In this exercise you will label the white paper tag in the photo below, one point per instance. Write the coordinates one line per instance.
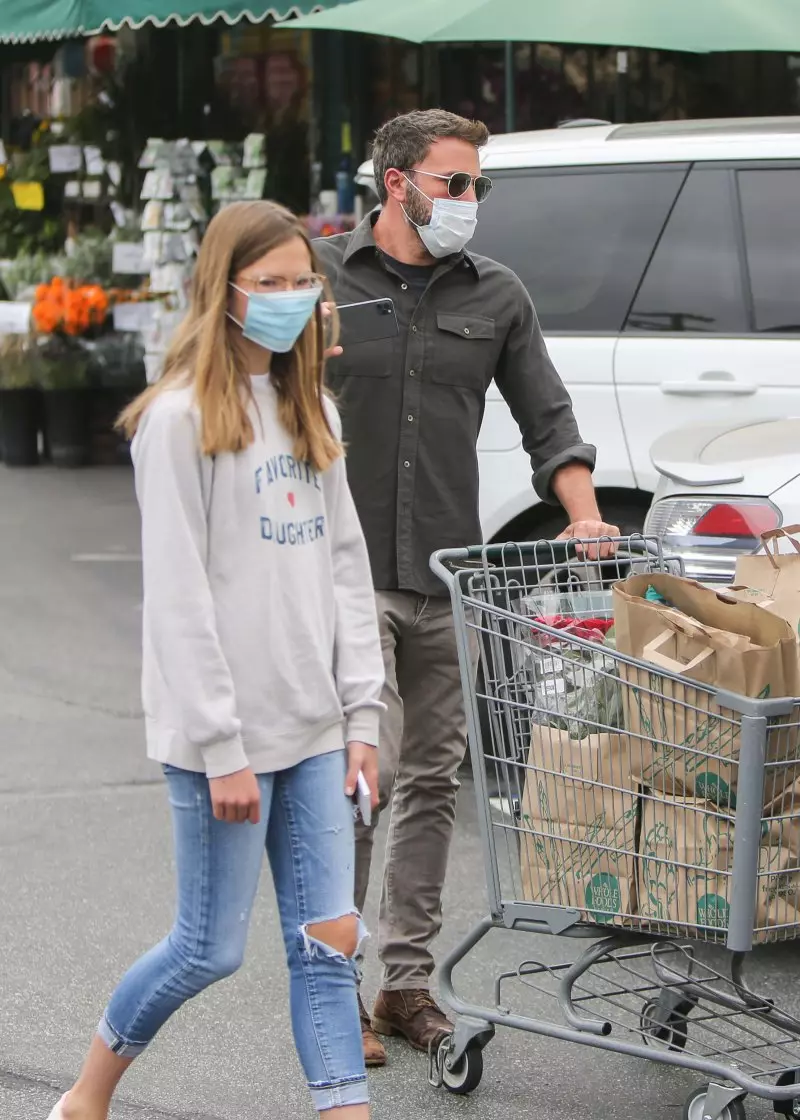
(152, 248)
(15, 318)
(3, 156)
(128, 258)
(134, 317)
(65, 159)
(153, 365)
(95, 164)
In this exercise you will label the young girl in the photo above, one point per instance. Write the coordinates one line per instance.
(262, 668)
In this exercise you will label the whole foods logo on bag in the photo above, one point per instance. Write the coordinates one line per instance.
(715, 789)
(603, 897)
(713, 911)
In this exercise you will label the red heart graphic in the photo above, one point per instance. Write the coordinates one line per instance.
(291, 500)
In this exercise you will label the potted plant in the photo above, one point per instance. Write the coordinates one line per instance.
(20, 402)
(119, 376)
(65, 317)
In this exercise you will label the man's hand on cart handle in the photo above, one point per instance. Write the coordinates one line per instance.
(590, 530)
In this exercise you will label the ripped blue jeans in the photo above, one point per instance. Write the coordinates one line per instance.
(307, 829)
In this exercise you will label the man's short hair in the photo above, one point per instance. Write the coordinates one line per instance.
(405, 141)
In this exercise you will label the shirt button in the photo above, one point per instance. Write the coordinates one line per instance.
(414, 329)
(404, 287)
(412, 373)
(466, 330)
(406, 464)
(410, 419)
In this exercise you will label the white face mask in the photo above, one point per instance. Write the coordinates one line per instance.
(452, 224)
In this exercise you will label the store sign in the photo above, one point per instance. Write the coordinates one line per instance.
(15, 318)
(128, 258)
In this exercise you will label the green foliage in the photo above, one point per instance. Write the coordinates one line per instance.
(26, 232)
(26, 271)
(89, 261)
(65, 363)
(19, 362)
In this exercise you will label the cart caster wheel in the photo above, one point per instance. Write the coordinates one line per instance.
(695, 1108)
(789, 1108)
(463, 1076)
(658, 1024)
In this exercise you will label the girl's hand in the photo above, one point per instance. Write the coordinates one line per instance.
(236, 797)
(362, 759)
(334, 351)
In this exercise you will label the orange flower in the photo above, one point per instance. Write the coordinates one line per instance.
(73, 310)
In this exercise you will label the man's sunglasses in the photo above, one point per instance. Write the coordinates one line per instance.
(459, 183)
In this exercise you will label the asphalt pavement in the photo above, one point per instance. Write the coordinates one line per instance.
(86, 878)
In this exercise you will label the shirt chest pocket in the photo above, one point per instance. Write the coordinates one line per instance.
(464, 351)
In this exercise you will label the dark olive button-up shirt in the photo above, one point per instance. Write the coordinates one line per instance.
(412, 405)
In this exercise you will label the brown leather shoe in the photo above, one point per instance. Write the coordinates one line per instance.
(413, 1014)
(374, 1052)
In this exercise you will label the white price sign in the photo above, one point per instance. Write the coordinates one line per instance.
(95, 164)
(15, 318)
(133, 317)
(127, 258)
(65, 159)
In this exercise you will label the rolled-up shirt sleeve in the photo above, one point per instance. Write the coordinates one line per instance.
(539, 401)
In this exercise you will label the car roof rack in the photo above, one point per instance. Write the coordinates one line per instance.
(582, 122)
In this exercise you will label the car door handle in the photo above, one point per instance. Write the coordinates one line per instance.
(712, 382)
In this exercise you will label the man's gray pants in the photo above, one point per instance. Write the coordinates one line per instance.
(422, 745)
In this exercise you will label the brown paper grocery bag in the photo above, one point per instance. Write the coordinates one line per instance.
(579, 819)
(685, 870)
(753, 651)
(682, 743)
(775, 576)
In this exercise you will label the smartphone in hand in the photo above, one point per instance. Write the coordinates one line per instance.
(364, 800)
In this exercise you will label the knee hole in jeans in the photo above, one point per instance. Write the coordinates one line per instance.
(337, 937)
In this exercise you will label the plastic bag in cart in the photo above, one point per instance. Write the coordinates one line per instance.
(575, 688)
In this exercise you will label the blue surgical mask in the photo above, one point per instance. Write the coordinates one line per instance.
(452, 224)
(275, 320)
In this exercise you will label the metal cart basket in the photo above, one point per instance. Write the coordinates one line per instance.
(609, 793)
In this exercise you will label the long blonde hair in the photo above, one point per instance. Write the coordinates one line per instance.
(207, 353)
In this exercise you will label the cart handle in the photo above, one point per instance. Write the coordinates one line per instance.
(446, 561)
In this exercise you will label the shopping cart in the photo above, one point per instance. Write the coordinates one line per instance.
(620, 787)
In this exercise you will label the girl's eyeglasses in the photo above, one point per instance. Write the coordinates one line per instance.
(460, 182)
(263, 284)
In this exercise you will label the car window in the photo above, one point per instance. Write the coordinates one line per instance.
(578, 240)
(694, 281)
(771, 212)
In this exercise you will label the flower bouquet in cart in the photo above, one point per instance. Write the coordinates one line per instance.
(67, 318)
(571, 675)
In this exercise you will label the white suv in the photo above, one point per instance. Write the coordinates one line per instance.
(664, 262)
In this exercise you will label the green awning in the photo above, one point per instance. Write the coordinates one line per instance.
(678, 25)
(25, 21)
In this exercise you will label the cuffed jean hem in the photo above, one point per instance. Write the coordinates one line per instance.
(349, 1091)
(118, 1045)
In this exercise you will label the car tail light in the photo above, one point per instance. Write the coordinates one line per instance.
(739, 522)
(741, 519)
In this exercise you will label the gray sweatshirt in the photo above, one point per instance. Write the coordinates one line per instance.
(260, 637)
